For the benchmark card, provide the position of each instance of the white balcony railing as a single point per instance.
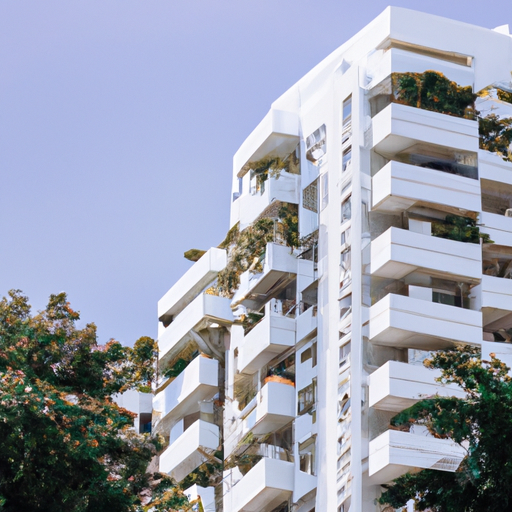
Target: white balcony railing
(200, 275)
(190, 450)
(265, 486)
(279, 268)
(199, 314)
(274, 407)
(396, 386)
(398, 252)
(398, 186)
(407, 322)
(198, 382)
(273, 335)
(307, 323)
(394, 453)
(398, 127)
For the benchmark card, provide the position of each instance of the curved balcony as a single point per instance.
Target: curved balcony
(395, 453)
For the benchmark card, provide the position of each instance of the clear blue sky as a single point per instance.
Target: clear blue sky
(118, 123)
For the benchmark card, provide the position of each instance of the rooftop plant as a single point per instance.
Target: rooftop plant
(431, 90)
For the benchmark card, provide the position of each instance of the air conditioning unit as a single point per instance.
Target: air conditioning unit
(508, 213)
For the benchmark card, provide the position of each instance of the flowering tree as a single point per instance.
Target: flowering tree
(64, 443)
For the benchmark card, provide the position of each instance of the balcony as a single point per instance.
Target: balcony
(398, 127)
(276, 135)
(394, 453)
(274, 408)
(198, 382)
(407, 322)
(307, 323)
(396, 386)
(190, 450)
(398, 252)
(496, 302)
(193, 282)
(273, 335)
(498, 227)
(198, 315)
(398, 186)
(492, 167)
(285, 188)
(265, 486)
(279, 269)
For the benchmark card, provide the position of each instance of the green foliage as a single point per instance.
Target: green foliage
(269, 166)
(193, 254)
(207, 474)
(461, 229)
(431, 90)
(64, 443)
(482, 421)
(177, 367)
(496, 135)
(289, 216)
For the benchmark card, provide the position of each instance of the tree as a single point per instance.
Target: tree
(64, 443)
(482, 422)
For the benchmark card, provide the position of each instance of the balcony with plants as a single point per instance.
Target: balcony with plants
(269, 180)
(411, 108)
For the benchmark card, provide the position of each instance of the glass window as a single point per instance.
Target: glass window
(347, 110)
(307, 451)
(346, 209)
(307, 398)
(325, 189)
(310, 197)
(347, 158)
(316, 145)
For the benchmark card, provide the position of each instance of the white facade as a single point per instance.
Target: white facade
(286, 385)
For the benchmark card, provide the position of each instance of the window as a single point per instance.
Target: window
(347, 111)
(307, 398)
(307, 456)
(346, 209)
(316, 145)
(310, 197)
(324, 181)
(344, 354)
(345, 236)
(347, 158)
(313, 355)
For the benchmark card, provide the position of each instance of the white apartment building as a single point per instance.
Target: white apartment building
(354, 249)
